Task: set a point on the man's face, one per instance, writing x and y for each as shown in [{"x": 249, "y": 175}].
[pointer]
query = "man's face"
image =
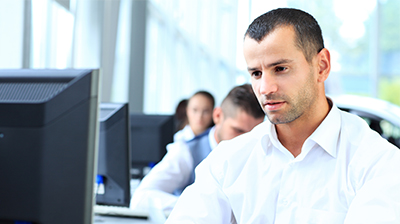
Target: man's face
[
  {"x": 229, "y": 127},
  {"x": 282, "y": 79}
]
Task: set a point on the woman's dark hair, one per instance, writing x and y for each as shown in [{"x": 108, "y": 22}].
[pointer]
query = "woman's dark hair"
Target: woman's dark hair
[{"x": 180, "y": 115}]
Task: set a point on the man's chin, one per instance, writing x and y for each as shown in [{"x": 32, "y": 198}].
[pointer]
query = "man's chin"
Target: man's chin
[{"x": 276, "y": 119}]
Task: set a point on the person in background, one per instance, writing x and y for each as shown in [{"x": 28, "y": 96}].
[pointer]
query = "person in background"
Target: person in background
[
  {"x": 239, "y": 113},
  {"x": 199, "y": 116},
  {"x": 180, "y": 117},
  {"x": 310, "y": 162}
]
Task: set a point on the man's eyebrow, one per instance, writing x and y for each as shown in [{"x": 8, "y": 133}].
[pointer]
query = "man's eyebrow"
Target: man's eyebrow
[
  {"x": 239, "y": 130},
  {"x": 281, "y": 61},
  {"x": 251, "y": 69}
]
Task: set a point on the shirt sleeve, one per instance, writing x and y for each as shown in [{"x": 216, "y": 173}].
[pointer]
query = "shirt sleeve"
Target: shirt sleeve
[
  {"x": 377, "y": 199},
  {"x": 203, "y": 201},
  {"x": 157, "y": 187}
]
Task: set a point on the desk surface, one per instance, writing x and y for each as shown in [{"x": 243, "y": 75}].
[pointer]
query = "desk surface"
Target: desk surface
[{"x": 97, "y": 219}]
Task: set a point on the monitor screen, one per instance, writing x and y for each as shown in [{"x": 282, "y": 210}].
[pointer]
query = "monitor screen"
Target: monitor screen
[
  {"x": 114, "y": 163},
  {"x": 48, "y": 145},
  {"x": 150, "y": 135}
]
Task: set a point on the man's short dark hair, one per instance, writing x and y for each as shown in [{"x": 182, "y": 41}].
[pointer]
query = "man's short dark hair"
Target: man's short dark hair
[
  {"x": 242, "y": 98},
  {"x": 308, "y": 33}
]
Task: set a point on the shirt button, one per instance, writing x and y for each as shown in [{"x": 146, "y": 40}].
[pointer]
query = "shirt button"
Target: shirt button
[{"x": 285, "y": 202}]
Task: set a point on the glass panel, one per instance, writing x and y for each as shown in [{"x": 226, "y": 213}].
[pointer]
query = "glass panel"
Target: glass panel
[
  {"x": 52, "y": 34},
  {"x": 61, "y": 35},
  {"x": 39, "y": 31},
  {"x": 389, "y": 58},
  {"x": 11, "y": 26},
  {"x": 153, "y": 53},
  {"x": 184, "y": 49}
]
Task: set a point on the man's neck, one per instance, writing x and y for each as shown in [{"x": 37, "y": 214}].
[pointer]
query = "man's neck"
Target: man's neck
[{"x": 293, "y": 135}]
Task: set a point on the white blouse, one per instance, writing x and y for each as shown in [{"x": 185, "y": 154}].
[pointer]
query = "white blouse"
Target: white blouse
[{"x": 185, "y": 134}]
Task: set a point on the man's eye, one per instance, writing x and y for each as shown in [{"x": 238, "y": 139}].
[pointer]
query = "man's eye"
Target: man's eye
[
  {"x": 280, "y": 69},
  {"x": 256, "y": 74},
  {"x": 238, "y": 131}
]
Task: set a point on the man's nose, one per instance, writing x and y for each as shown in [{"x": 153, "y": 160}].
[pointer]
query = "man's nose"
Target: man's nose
[{"x": 268, "y": 84}]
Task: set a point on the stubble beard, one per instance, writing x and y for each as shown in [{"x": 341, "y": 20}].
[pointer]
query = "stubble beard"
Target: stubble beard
[{"x": 297, "y": 105}]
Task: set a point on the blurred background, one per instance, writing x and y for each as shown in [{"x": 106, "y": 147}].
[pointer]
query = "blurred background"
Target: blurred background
[{"x": 153, "y": 53}]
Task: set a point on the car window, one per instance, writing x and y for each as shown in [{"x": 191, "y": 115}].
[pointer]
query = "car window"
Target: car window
[
  {"x": 386, "y": 129},
  {"x": 391, "y": 132}
]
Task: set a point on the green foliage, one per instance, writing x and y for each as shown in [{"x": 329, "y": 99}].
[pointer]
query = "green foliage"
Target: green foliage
[
  {"x": 389, "y": 90},
  {"x": 390, "y": 21}
]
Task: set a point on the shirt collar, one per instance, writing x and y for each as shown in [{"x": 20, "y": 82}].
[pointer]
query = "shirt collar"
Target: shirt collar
[
  {"x": 211, "y": 138},
  {"x": 326, "y": 135}
]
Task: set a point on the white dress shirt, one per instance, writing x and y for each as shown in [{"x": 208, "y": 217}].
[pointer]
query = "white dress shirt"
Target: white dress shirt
[
  {"x": 345, "y": 173},
  {"x": 185, "y": 134},
  {"x": 171, "y": 173}
]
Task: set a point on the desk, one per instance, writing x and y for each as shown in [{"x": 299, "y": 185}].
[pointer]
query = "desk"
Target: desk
[{"x": 97, "y": 219}]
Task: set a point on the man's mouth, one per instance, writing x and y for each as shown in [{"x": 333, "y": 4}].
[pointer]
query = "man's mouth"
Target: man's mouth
[{"x": 273, "y": 105}]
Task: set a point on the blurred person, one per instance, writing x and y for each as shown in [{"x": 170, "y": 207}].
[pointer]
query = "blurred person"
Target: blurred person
[
  {"x": 180, "y": 115},
  {"x": 199, "y": 115},
  {"x": 310, "y": 162},
  {"x": 239, "y": 113}
]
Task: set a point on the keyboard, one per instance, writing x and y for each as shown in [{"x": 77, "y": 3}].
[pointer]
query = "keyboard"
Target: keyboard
[{"x": 119, "y": 211}]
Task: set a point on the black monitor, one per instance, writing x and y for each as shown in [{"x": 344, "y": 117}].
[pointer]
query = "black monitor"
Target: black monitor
[
  {"x": 150, "y": 135},
  {"x": 114, "y": 163},
  {"x": 48, "y": 145}
]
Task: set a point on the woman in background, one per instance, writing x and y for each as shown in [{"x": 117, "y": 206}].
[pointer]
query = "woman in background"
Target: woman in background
[{"x": 199, "y": 111}]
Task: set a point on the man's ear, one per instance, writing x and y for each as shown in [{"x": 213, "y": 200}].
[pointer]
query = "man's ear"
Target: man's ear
[
  {"x": 217, "y": 115},
  {"x": 324, "y": 65}
]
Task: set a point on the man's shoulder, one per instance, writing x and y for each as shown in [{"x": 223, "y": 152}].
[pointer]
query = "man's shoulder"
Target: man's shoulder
[
  {"x": 252, "y": 136},
  {"x": 364, "y": 145},
  {"x": 201, "y": 140},
  {"x": 242, "y": 144},
  {"x": 199, "y": 137},
  {"x": 228, "y": 158},
  {"x": 359, "y": 134}
]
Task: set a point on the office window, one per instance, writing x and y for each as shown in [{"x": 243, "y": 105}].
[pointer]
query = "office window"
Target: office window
[
  {"x": 52, "y": 35},
  {"x": 389, "y": 51},
  {"x": 189, "y": 47},
  {"x": 196, "y": 44},
  {"x": 11, "y": 33}
]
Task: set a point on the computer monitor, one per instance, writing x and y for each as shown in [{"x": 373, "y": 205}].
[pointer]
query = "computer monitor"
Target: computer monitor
[
  {"x": 150, "y": 135},
  {"x": 114, "y": 163},
  {"x": 48, "y": 145}
]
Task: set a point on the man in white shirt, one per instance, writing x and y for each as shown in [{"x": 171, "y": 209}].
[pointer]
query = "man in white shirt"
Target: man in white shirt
[
  {"x": 311, "y": 162},
  {"x": 239, "y": 113}
]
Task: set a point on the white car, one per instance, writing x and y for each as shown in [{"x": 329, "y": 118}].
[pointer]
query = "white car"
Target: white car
[{"x": 382, "y": 116}]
